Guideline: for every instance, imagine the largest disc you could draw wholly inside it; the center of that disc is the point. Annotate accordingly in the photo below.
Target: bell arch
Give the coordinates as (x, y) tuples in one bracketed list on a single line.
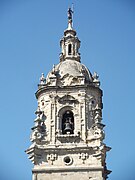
[(69, 49), (66, 121)]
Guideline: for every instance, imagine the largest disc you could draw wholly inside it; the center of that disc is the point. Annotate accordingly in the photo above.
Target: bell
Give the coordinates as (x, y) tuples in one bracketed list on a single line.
[(68, 128)]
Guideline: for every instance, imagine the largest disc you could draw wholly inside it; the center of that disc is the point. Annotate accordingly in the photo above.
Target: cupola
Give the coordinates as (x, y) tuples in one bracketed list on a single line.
[(70, 43)]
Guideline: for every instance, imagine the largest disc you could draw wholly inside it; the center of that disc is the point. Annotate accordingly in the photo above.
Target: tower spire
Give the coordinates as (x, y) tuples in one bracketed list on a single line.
[(70, 43)]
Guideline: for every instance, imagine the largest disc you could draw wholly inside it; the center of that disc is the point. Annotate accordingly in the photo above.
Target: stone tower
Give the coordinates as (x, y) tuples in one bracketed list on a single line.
[(67, 137)]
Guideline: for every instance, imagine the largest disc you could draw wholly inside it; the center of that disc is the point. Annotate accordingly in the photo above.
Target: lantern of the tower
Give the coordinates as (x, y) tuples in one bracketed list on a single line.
[(70, 44), (67, 138)]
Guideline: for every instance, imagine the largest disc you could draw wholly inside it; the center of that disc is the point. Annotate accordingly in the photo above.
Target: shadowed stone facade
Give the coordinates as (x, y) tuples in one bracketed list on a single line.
[(67, 137)]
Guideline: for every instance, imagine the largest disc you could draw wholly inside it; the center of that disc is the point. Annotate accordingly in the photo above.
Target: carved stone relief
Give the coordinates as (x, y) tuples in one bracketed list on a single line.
[(83, 157), (51, 158)]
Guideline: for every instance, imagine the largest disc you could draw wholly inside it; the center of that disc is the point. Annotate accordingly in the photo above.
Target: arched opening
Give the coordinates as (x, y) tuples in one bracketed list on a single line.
[(69, 49), (68, 122)]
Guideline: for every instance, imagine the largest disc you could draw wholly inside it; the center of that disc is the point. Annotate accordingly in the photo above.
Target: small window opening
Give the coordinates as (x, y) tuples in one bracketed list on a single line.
[(92, 102), (68, 123), (69, 49), (68, 160)]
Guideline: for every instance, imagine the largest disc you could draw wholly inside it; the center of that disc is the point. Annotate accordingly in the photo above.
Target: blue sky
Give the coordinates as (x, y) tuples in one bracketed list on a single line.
[(30, 31)]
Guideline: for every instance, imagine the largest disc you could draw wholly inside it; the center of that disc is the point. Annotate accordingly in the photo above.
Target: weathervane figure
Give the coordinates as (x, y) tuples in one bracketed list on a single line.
[(70, 12)]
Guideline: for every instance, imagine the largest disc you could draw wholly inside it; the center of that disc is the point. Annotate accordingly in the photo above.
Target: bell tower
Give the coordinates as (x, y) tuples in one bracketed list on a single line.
[(67, 136)]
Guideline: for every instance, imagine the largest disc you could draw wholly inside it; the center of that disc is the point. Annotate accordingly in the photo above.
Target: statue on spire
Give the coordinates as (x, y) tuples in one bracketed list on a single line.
[(70, 12)]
